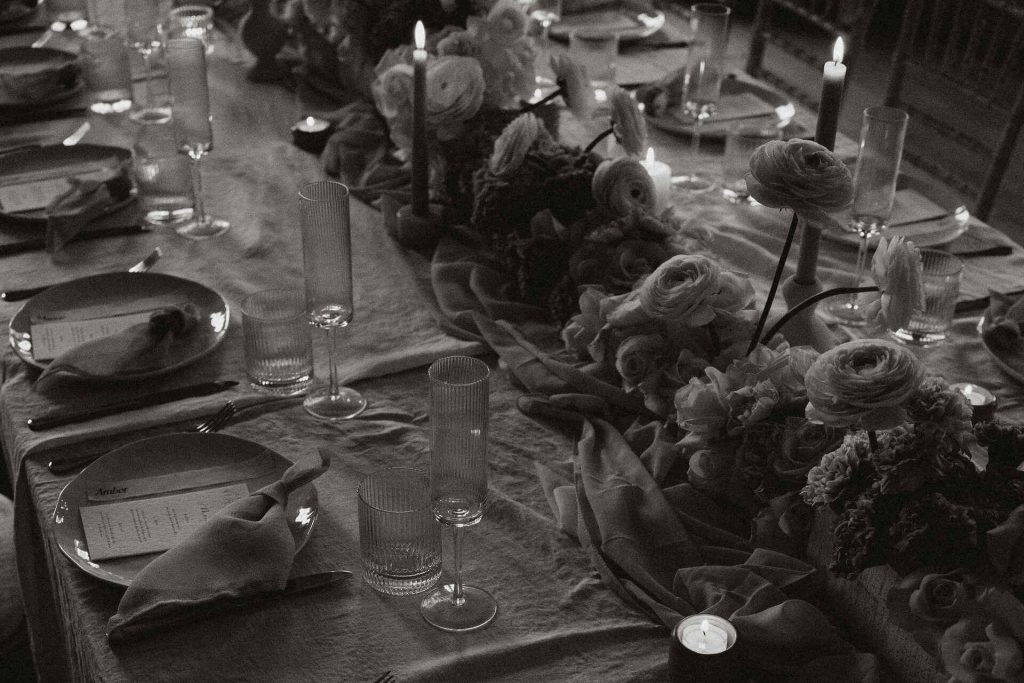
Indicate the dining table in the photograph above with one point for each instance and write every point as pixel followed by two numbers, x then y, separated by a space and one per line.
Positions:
pixel 557 620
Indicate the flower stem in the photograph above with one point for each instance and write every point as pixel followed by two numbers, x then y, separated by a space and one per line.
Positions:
pixel 539 103
pixel 810 301
pixel 873 440
pixel 590 148
pixel 781 266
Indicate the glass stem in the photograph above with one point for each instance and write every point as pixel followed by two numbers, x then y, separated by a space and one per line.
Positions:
pixel 458 599
pixel 695 139
pixel 858 273
pixel 197 187
pixel 147 65
pixel 332 338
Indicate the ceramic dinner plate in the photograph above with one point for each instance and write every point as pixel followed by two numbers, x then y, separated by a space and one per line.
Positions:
pixel 36 77
pixel 218 459
pixel 739 100
pixel 927 233
pixel 58 162
pixel 632 20
pixel 101 295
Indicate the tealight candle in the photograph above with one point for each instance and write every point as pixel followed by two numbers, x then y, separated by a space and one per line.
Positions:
pixel 661 174
pixel 983 401
pixel 700 650
pixel 311 134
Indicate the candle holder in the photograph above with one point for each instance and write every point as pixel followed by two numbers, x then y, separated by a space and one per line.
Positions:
pixel 701 649
pixel 983 402
pixel 417 232
pixel 311 134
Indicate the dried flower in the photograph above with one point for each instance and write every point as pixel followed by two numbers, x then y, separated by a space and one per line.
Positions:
pixel 800 175
pixel 896 268
pixel 862 383
pixel 628 122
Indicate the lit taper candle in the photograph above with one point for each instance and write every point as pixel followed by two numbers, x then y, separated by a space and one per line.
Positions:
pixel 420 161
pixel 832 83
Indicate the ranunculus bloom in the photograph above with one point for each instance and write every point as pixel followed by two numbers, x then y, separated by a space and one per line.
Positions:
pixel 455 91
pixel 862 383
pixel 623 187
pixel 682 289
pixel 628 123
pixel 459 44
pixel 635 259
pixel 942 598
pixel 896 268
pixel 640 361
pixel 974 652
pixel 827 481
pixel 505 23
pixel 392 93
pixel 512 145
pixel 572 78
pixel 800 175
pixel 582 329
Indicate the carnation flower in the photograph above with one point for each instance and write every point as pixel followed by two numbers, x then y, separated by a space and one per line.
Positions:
pixel 512 145
pixel 640 361
pixel 937 408
pixel 576 88
pixel 973 651
pixel 933 531
pixel 622 187
pixel 896 268
pixel 800 175
pixel 828 481
pixel 862 383
pixel 455 91
pixel 628 122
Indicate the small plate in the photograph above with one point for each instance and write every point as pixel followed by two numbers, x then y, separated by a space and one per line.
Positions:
pixel 56 72
pixel 53 161
pixel 930 233
pixel 744 95
pixel 117 291
pixel 170 454
pixel 633 20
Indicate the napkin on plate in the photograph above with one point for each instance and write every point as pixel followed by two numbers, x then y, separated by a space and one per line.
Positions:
pixel 243 550
pixel 70 212
pixel 140 348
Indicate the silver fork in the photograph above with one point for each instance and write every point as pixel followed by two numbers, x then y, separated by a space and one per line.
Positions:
pixel 211 424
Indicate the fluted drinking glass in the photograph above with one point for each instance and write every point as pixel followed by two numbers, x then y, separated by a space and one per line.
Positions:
pixel 459 415
pixel 327 267
pixel 702 84
pixel 186 71
pixel 144 35
pixel 874 191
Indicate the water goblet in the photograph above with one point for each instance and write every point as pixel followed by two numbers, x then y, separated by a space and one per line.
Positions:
pixel 327 268
pixel 702 82
pixel 459 414
pixel 874 191
pixel 186 70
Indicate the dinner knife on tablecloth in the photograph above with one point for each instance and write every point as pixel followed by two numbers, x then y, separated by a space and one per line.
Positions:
pixel 39 243
pixel 59 418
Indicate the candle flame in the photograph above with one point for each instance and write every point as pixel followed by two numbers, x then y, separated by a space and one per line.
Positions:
pixel 650 160
pixel 837 50
pixel 420 35
pixel 704 626
pixel 310 121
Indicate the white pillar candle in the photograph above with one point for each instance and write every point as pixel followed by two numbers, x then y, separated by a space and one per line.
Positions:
pixel 661 174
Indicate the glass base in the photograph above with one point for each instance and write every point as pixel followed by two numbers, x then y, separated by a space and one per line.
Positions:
pixel 159 217
pixel 693 182
pixel 918 337
pixel 344 406
pixel 844 312
pixel 737 197
pixel 477 610
pixel 202 230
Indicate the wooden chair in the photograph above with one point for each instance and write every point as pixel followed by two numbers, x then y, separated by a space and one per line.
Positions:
pixel 804 31
pixel 957 70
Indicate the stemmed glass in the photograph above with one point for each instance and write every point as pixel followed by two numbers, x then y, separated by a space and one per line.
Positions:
pixel 144 35
pixel 459 413
pixel 186 71
pixel 702 82
pixel 874 191
pixel 327 267
pixel 545 13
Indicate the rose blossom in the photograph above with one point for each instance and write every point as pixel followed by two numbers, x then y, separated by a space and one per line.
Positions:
pixel 973 651
pixel 827 481
pixel 750 404
pixel 686 366
pixel 455 91
pixel 862 383
pixel 512 145
pixel 628 123
pixel 896 268
pixel 640 361
pixel 942 598
pixel 800 175
pixel 803 446
pixel 577 92
pixel 635 259
pixel 623 187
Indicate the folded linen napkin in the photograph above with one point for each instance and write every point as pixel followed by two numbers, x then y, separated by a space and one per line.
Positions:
pixel 243 550
pixel 140 348
pixel 67 214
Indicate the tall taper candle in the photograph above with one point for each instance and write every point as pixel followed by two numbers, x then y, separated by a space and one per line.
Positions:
pixel 420 161
pixel 832 82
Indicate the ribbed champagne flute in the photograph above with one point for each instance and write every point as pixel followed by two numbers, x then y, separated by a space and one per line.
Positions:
pixel 327 267
pixel 144 35
pixel 186 70
pixel 459 414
